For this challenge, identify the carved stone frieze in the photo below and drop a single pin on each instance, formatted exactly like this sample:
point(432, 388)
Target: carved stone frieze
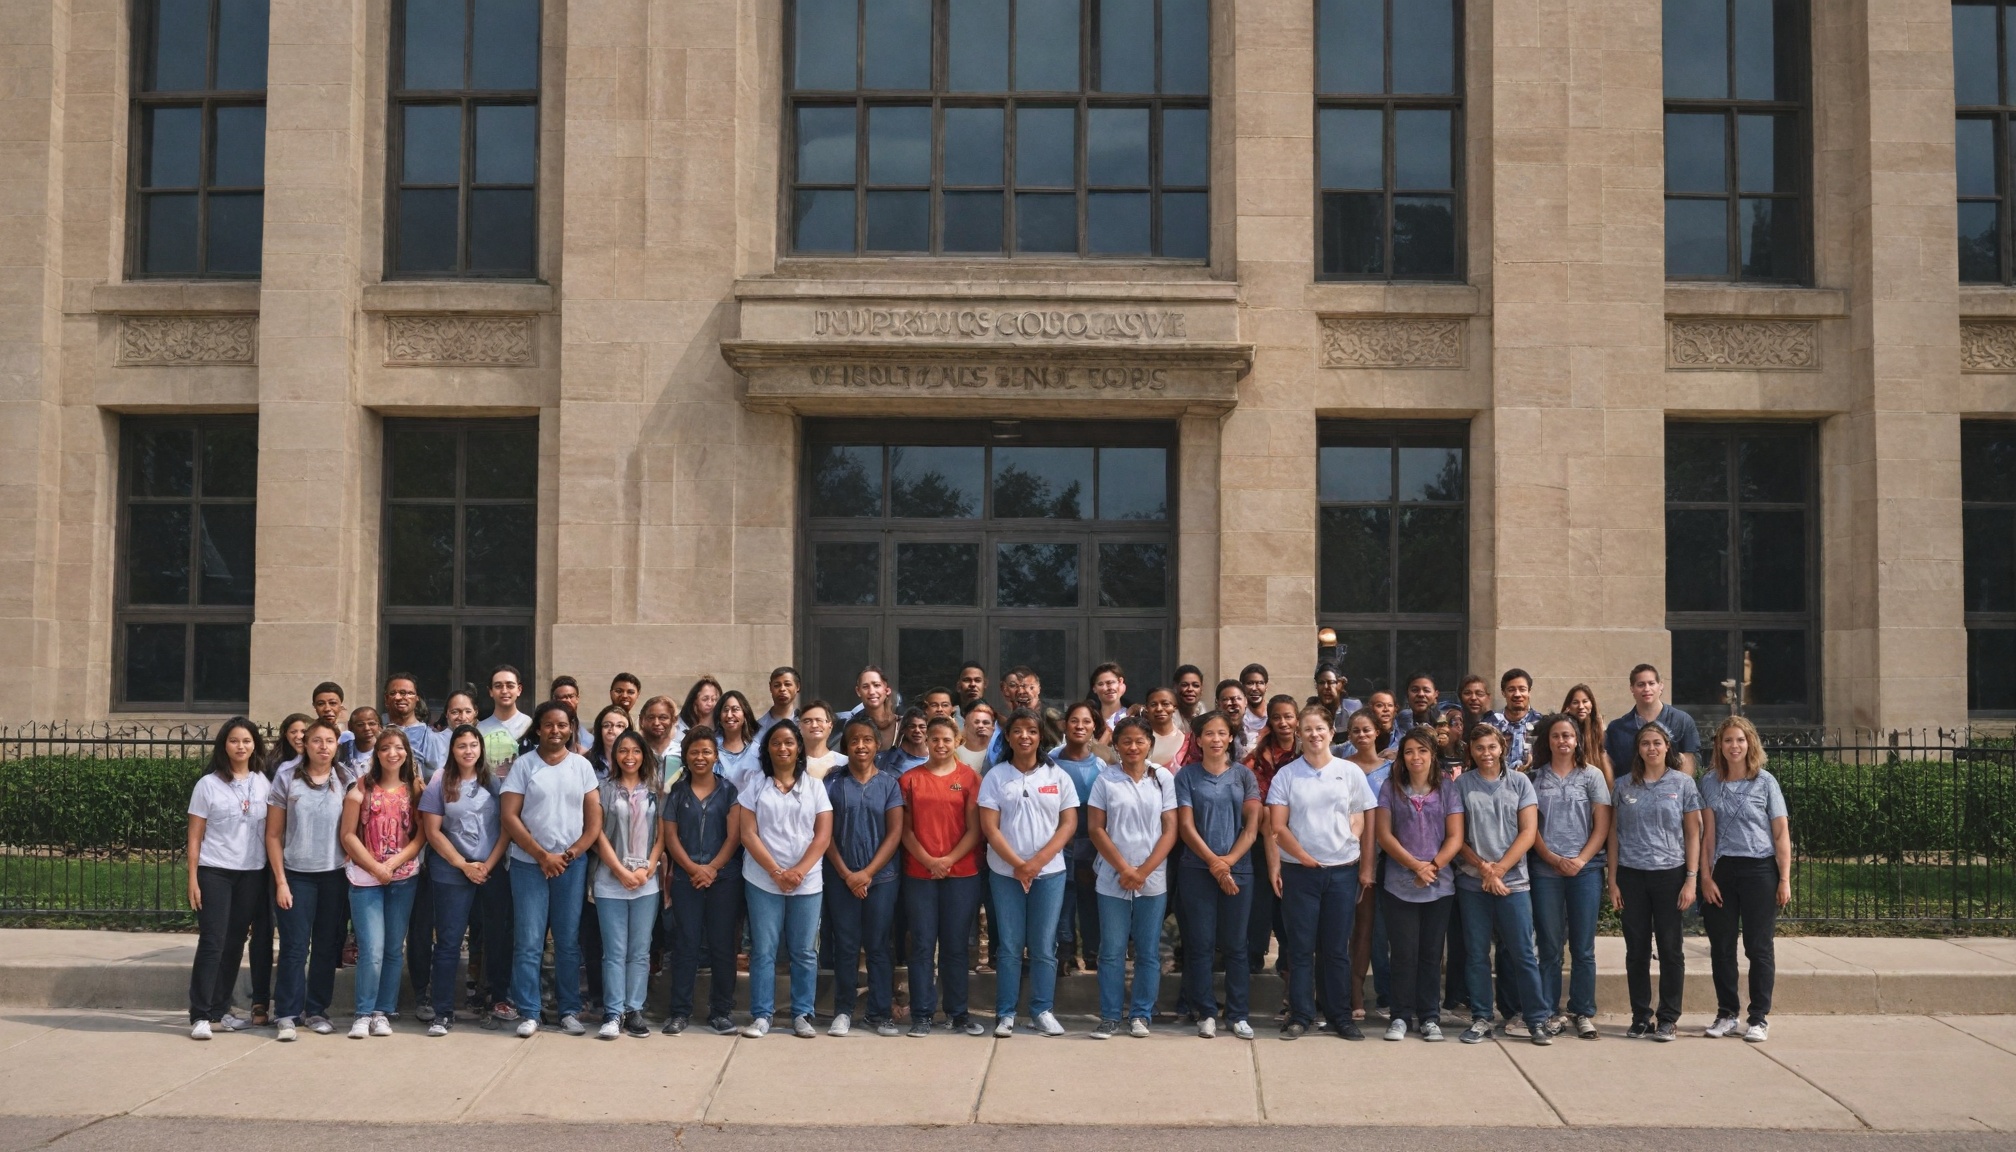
point(1988, 345)
point(413, 341)
point(179, 341)
point(1718, 342)
point(1394, 342)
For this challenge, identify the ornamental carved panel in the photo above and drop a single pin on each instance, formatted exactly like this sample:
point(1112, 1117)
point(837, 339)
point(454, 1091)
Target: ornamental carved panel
point(1988, 346)
point(180, 341)
point(1717, 342)
point(462, 341)
point(1394, 342)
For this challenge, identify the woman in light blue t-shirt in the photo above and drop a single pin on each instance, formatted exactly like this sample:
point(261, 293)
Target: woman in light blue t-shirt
point(1133, 814)
point(1655, 854)
point(1747, 876)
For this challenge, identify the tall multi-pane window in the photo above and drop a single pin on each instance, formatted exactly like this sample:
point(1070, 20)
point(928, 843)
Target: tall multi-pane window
point(460, 550)
point(1985, 97)
point(199, 131)
point(1000, 127)
point(1389, 84)
point(1988, 512)
point(1741, 542)
point(1736, 151)
point(1394, 560)
point(463, 158)
point(183, 621)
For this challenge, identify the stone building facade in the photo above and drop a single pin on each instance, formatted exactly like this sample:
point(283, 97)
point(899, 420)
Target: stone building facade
point(565, 353)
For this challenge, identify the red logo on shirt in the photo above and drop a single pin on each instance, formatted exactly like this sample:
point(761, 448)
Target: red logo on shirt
point(1047, 789)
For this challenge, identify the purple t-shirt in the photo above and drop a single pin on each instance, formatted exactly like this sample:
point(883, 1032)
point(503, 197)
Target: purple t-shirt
point(1420, 824)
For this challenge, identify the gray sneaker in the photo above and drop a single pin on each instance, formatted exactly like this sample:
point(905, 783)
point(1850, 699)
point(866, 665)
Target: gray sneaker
point(887, 1027)
point(1137, 1028)
point(1478, 1032)
point(1758, 1033)
point(1514, 1026)
point(320, 1025)
point(757, 1029)
point(843, 1023)
point(1046, 1023)
point(1724, 1024)
point(972, 1027)
point(1664, 1033)
point(1585, 1027)
point(1431, 1031)
point(424, 1013)
point(1106, 1030)
point(1397, 1029)
point(1243, 1029)
point(1207, 1028)
point(919, 1028)
point(284, 1032)
point(801, 1027)
point(1004, 1027)
point(571, 1024)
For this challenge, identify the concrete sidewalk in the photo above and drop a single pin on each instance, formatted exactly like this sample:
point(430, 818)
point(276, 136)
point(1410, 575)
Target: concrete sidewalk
point(50, 968)
point(1831, 1073)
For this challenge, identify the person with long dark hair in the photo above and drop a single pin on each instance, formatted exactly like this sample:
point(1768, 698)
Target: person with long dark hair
point(1419, 837)
point(787, 822)
point(941, 879)
point(1747, 839)
point(305, 853)
point(1360, 730)
point(1501, 820)
point(1655, 853)
point(1028, 812)
point(704, 887)
point(735, 730)
point(227, 870)
point(381, 835)
point(861, 886)
point(1568, 869)
point(703, 699)
point(1218, 816)
point(1580, 705)
point(552, 815)
point(461, 819)
point(611, 722)
point(626, 883)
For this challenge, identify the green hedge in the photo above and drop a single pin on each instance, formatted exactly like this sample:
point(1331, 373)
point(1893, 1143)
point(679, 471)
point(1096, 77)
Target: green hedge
point(1888, 810)
point(76, 804)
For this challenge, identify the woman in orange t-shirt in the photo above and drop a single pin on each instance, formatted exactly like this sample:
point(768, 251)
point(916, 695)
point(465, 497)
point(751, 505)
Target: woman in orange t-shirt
point(941, 877)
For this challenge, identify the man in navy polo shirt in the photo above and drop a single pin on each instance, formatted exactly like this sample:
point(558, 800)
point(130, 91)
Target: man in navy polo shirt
point(1621, 737)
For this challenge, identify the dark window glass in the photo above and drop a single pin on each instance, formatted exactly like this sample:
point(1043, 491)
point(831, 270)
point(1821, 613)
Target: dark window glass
point(460, 549)
point(1988, 521)
point(1133, 575)
point(465, 126)
point(1736, 152)
point(846, 480)
point(1036, 576)
point(846, 573)
point(199, 151)
point(928, 658)
point(1392, 547)
point(187, 535)
point(938, 574)
point(1977, 63)
point(842, 653)
point(1042, 482)
point(1740, 555)
point(1133, 483)
point(1982, 64)
point(936, 482)
point(1048, 150)
point(1389, 126)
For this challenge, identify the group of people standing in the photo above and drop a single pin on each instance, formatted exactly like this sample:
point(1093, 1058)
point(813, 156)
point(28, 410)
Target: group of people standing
point(1451, 850)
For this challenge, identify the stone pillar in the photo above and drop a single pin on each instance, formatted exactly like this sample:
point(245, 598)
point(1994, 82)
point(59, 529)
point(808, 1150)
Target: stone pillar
point(34, 37)
point(1896, 646)
point(1577, 432)
point(1197, 552)
point(313, 459)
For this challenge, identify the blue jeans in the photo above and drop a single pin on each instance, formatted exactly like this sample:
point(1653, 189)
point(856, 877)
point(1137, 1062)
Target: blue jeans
point(1138, 919)
point(311, 939)
point(704, 926)
point(626, 951)
point(537, 905)
point(453, 905)
point(1028, 919)
point(1078, 920)
point(1216, 925)
point(941, 914)
point(378, 915)
point(793, 921)
point(863, 924)
point(1512, 919)
point(1317, 909)
point(1564, 912)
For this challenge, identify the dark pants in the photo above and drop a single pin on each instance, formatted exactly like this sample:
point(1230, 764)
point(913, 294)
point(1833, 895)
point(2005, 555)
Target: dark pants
point(941, 915)
point(1264, 919)
point(591, 947)
point(420, 935)
point(862, 924)
point(261, 950)
point(1078, 923)
point(311, 942)
point(1506, 921)
point(1652, 910)
point(230, 899)
point(706, 922)
point(1749, 887)
point(1415, 935)
point(1316, 907)
point(1214, 924)
point(453, 905)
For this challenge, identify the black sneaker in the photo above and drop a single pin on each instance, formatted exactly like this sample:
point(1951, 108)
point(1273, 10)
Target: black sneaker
point(722, 1025)
point(920, 1027)
point(1664, 1033)
point(1639, 1030)
point(1349, 1030)
point(675, 1025)
point(1293, 1030)
point(634, 1025)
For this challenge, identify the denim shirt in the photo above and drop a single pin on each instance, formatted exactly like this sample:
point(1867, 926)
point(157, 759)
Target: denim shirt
point(702, 824)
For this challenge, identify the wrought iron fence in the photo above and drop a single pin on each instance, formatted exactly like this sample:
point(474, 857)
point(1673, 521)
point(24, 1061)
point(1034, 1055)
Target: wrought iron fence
point(1904, 827)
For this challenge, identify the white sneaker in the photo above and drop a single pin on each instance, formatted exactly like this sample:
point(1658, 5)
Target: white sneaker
point(284, 1030)
point(1137, 1027)
point(1431, 1032)
point(1757, 1033)
point(1242, 1029)
point(1207, 1027)
point(1397, 1030)
point(842, 1024)
point(320, 1025)
point(1004, 1027)
point(758, 1028)
point(380, 1026)
point(801, 1027)
point(438, 1028)
point(1046, 1023)
point(232, 1022)
point(1722, 1026)
point(610, 1030)
point(200, 1030)
point(528, 1027)
point(360, 1028)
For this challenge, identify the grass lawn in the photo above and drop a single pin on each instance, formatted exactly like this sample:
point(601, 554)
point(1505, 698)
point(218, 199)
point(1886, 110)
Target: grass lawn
point(147, 892)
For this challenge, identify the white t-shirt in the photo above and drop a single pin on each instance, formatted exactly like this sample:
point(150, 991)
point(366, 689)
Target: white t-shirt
point(1320, 802)
point(1134, 822)
point(234, 821)
point(818, 766)
point(553, 795)
point(1253, 723)
point(1167, 748)
point(1030, 804)
point(785, 823)
point(979, 761)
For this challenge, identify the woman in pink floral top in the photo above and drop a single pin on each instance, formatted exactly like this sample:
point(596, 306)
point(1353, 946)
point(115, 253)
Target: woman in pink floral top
point(381, 838)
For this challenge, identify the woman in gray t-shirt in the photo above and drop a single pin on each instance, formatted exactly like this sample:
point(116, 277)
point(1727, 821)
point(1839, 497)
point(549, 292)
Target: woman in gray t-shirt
point(304, 809)
point(461, 816)
point(1655, 852)
point(1748, 841)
